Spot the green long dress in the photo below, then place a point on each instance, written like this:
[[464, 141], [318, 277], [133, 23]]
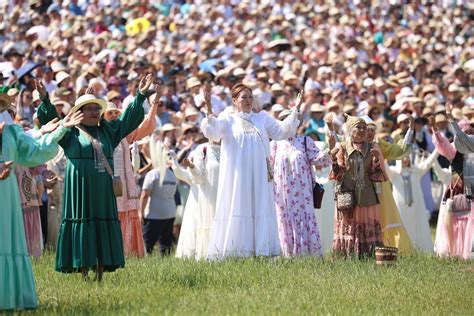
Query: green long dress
[[17, 283], [90, 229]]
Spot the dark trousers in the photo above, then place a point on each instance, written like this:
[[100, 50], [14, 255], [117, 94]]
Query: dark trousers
[[158, 230], [44, 220]]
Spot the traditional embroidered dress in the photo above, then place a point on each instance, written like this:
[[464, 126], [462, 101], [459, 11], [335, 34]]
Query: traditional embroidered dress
[[129, 203], [30, 204], [454, 230], [408, 197], [16, 275], [394, 233], [90, 233], [245, 223], [293, 189], [357, 231]]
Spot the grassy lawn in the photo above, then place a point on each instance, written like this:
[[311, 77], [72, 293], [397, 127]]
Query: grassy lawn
[[416, 285]]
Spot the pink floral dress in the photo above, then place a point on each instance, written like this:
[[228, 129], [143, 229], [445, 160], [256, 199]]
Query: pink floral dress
[[293, 190]]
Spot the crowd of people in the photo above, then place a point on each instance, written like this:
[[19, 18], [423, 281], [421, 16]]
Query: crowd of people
[[214, 125]]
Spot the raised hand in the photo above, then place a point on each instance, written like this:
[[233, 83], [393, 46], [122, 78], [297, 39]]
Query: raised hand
[[432, 123], [50, 126], [157, 94], [375, 155], [329, 121], [299, 100], [412, 123], [449, 111], [187, 163], [39, 86], [73, 119], [207, 99], [145, 84]]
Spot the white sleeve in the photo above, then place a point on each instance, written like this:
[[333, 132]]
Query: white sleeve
[[278, 130], [215, 128]]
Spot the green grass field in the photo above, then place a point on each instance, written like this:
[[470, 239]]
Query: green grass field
[[416, 285]]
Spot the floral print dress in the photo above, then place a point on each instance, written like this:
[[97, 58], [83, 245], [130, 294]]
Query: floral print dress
[[293, 189]]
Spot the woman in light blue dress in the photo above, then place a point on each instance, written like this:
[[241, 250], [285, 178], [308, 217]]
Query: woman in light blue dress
[[16, 275]]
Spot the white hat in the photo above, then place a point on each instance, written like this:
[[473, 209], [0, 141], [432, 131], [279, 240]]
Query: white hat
[[277, 107], [89, 99], [111, 106], [61, 76], [402, 117], [316, 107], [368, 82]]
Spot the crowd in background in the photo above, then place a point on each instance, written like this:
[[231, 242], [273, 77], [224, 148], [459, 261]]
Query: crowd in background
[[397, 64]]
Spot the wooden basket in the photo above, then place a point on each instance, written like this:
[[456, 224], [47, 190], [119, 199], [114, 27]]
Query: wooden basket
[[385, 255]]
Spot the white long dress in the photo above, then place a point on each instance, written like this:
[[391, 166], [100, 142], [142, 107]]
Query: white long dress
[[245, 223], [205, 175], [186, 247], [413, 212], [325, 215]]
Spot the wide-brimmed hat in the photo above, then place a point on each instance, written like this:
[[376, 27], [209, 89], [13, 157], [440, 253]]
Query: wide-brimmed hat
[[193, 82], [112, 107], [112, 95], [190, 111], [316, 107], [168, 127], [89, 99], [5, 102], [61, 76]]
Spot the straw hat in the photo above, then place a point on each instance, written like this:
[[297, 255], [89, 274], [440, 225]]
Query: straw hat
[[402, 117], [193, 82], [167, 128], [190, 111], [89, 99], [440, 118], [112, 107], [283, 114], [112, 95], [5, 102]]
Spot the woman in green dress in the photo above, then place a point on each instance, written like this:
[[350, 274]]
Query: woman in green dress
[[17, 283], [90, 235]]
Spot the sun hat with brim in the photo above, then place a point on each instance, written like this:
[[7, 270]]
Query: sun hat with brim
[[440, 118], [467, 110], [457, 114], [66, 106], [89, 99], [193, 82], [402, 117], [168, 127], [5, 102], [112, 95], [186, 127], [190, 112], [316, 107], [61, 76], [112, 107]]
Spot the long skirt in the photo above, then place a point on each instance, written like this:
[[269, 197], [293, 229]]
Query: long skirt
[[357, 232], [33, 232], [454, 233], [132, 233]]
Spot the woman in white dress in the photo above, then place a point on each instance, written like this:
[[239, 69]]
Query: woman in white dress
[[405, 178], [245, 223]]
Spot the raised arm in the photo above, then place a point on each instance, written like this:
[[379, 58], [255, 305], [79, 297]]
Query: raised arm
[[441, 143], [315, 156], [462, 142], [198, 166], [131, 117], [444, 174], [426, 164], [148, 125], [46, 111], [278, 130]]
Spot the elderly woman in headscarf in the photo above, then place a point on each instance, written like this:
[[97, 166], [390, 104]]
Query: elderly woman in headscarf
[[17, 148], [357, 167], [90, 236]]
